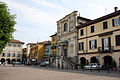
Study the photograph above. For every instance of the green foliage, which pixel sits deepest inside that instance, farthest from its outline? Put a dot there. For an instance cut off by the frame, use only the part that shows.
(98, 61)
(114, 64)
(87, 62)
(7, 24)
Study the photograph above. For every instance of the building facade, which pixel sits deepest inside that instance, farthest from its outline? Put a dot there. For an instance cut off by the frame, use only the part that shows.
(53, 44)
(99, 40)
(37, 52)
(12, 52)
(67, 39)
(47, 53)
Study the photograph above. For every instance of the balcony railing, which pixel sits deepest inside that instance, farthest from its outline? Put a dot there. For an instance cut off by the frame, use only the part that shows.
(107, 49)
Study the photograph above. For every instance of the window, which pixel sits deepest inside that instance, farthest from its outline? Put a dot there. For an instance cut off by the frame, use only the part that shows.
(3, 54)
(13, 55)
(92, 29)
(19, 45)
(93, 44)
(14, 45)
(9, 44)
(53, 45)
(53, 39)
(81, 46)
(13, 50)
(105, 25)
(8, 55)
(116, 21)
(81, 32)
(52, 52)
(18, 55)
(9, 49)
(65, 27)
(106, 43)
(117, 37)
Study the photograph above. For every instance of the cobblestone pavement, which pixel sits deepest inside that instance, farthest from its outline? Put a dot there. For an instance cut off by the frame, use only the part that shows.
(9, 72)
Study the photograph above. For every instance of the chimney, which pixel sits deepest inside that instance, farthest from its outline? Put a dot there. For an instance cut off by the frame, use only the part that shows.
(116, 9)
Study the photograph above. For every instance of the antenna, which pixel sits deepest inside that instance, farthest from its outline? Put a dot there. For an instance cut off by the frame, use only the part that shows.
(79, 13)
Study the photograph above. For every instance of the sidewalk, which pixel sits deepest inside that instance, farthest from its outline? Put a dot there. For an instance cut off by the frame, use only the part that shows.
(91, 72)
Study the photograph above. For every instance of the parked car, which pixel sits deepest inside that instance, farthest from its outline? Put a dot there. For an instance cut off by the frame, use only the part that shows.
(44, 64)
(93, 66)
(0, 63)
(16, 63)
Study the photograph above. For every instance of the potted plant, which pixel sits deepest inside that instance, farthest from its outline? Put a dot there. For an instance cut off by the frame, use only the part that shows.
(114, 65)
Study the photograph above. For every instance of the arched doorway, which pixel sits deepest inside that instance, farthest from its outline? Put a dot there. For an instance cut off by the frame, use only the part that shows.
(18, 60)
(108, 60)
(82, 61)
(2, 60)
(8, 61)
(13, 60)
(93, 59)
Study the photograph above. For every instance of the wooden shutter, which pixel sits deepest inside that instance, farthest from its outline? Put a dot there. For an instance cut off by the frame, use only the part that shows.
(113, 24)
(109, 41)
(89, 44)
(103, 44)
(82, 46)
(117, 40)
(95, 44)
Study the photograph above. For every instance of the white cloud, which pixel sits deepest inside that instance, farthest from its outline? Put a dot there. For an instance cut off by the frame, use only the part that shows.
(31, 14)
(48, 4)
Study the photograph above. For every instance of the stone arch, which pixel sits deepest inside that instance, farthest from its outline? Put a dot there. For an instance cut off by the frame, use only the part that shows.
(82, 61)
(13, 60)
(93, 59)
(107, 60)
(2, 60)
(18, 60)
(8, 61)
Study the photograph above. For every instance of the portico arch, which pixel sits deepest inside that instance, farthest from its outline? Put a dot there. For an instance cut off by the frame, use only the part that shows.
(8, 61)
(108, 60)
(2, 60)
(93, 59)
(82, 61)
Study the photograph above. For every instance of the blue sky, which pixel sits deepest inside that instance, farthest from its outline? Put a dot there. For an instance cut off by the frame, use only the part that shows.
(36, 19)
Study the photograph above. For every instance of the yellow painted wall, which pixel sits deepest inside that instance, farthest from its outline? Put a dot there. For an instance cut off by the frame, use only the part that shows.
(98, 27)
(53, 42)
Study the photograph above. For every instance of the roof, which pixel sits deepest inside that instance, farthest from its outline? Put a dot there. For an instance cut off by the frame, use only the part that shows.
(53, 35)
(100, 19)
(31, 43)
(44, 42)
(16, 41)
(86, 19)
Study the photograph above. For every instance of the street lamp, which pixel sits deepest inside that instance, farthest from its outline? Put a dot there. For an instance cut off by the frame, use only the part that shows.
(99, 50)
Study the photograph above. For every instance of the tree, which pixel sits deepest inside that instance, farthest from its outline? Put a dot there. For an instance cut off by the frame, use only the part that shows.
(7, 24)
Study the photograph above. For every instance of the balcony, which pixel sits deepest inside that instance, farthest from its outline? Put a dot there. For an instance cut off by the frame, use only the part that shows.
(105, 49)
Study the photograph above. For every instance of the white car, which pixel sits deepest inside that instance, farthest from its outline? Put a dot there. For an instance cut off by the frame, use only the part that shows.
(93, 66)
(0, 63)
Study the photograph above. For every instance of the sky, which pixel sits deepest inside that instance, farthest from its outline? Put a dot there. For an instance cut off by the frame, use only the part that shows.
(36, 19)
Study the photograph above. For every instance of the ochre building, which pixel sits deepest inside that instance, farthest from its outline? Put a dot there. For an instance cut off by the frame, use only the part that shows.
(99, 40)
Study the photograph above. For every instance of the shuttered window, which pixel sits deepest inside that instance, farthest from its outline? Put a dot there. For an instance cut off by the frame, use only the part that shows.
(93, 44)
(116, 21)
(81, 46)
(106, 43)
(117, 37)
(92, 29)
(105, 25)
(81, 32)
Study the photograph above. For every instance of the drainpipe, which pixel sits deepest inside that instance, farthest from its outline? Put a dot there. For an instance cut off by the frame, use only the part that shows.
(86, 40)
